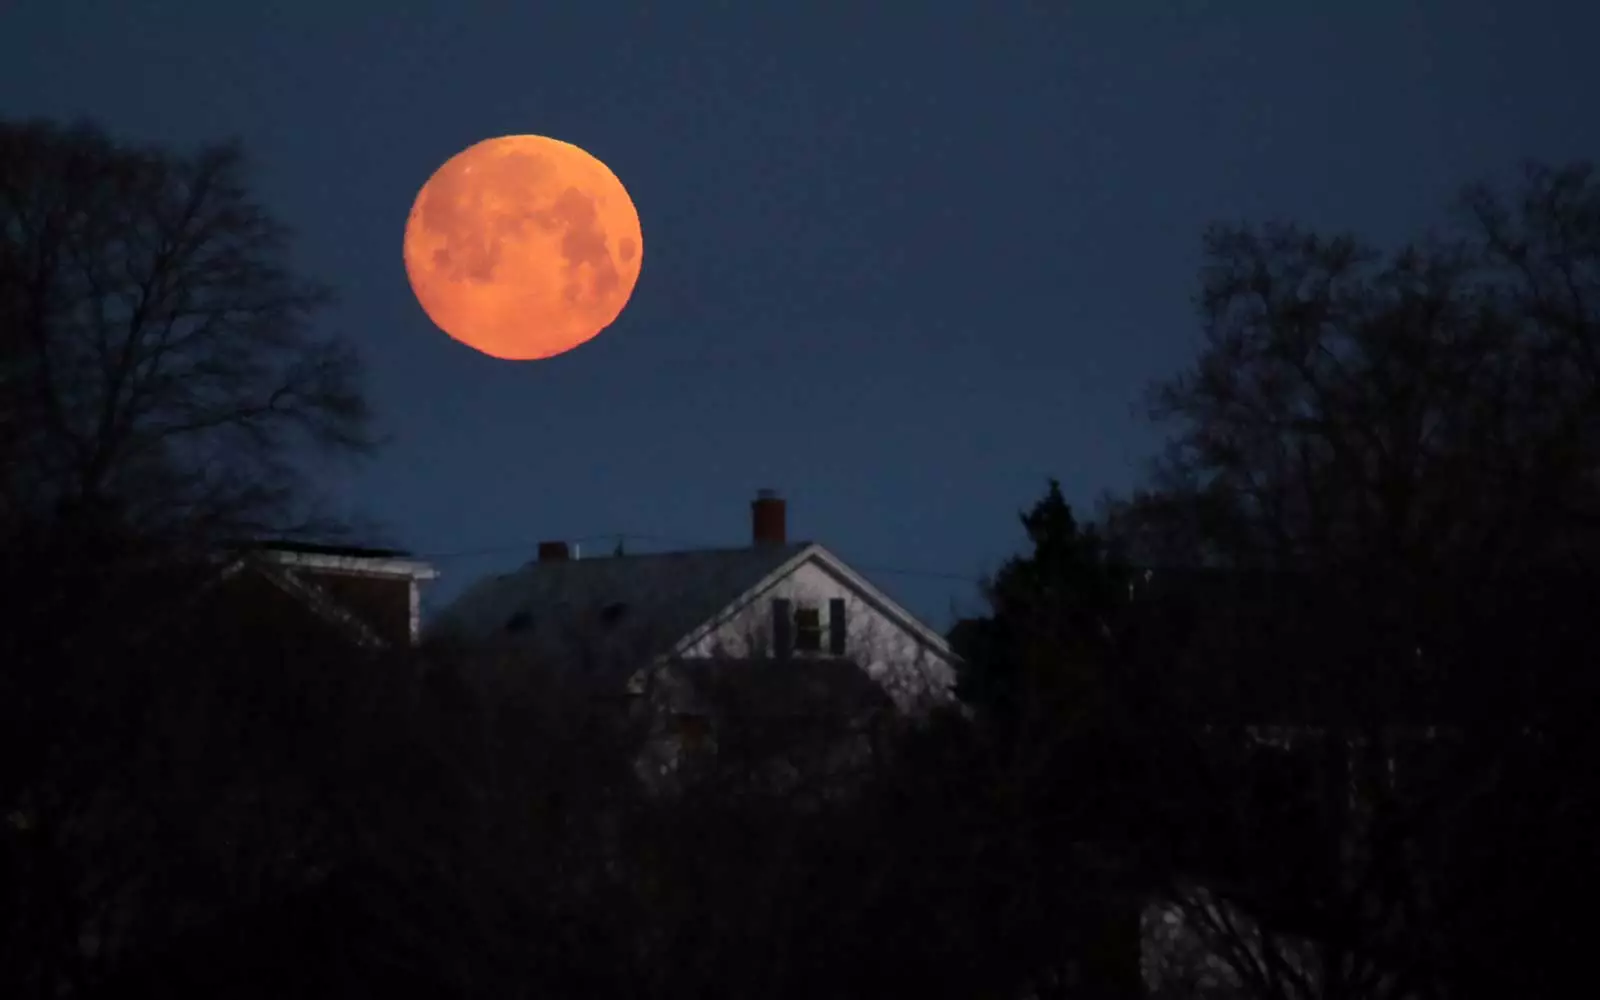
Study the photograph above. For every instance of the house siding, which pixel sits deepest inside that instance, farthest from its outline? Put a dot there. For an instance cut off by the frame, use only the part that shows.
(248, 611)
(384, 603)
(909, 671)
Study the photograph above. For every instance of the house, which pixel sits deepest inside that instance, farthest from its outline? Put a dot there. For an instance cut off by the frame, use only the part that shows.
(376, 592)
(368, 597)
(719, 633)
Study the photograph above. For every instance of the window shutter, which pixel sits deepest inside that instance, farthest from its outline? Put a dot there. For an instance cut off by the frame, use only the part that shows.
(782, 628)
(836, 626)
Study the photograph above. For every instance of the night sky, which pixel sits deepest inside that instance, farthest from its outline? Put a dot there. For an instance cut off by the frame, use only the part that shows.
(903, 261)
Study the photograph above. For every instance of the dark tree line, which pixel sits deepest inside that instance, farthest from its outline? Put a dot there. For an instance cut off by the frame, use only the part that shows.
(1305, 717)
(1381, 484)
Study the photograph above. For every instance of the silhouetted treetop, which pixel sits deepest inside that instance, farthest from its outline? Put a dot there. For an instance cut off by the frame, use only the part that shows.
(1423, 407)
(157, 356)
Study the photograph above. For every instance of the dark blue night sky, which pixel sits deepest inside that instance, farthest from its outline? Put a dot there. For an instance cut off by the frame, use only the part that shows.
(903, 261)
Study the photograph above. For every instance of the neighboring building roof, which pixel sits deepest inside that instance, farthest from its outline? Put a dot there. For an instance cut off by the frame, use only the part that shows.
(182, 588)
(189, 588)
(316, 600)
(616, 611)
(341, 558)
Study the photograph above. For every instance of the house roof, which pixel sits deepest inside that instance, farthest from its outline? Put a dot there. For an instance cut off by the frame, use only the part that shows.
(319, 548)
(318, 601)
(616, 611)
(626, 606)
(184, 588)
(340, 559)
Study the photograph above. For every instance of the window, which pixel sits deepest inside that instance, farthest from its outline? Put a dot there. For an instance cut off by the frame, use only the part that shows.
(837, 631)
(808, 630)
(781, 627)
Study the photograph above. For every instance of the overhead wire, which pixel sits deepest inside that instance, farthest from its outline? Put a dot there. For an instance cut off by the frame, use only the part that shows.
(489, 550)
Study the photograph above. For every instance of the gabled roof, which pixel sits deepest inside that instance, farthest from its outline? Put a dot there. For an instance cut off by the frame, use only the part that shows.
(316, 600)
(832, 564)
(197, 583)
(626, 607)
(340, 558)
(617, 611)
(317, 548)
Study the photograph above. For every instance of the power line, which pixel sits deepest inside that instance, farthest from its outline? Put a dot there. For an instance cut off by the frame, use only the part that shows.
(531, 543)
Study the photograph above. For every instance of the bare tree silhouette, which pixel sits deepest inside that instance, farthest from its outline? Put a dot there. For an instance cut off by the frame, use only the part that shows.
(157, 354)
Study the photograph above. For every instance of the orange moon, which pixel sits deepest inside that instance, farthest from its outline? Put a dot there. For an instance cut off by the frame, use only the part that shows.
(523, 247)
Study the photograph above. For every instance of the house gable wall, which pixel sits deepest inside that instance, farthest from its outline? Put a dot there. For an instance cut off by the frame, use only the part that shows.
(909, 671)
(383, 603)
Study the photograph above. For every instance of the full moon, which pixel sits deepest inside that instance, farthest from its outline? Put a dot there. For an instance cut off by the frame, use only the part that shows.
(523, 247)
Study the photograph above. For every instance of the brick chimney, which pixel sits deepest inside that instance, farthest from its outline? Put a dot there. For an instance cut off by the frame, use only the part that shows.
(553, 552)
(767, 519)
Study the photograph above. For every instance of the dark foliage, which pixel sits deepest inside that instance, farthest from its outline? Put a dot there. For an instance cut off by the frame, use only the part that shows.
(1378, 496)
(1305, 718)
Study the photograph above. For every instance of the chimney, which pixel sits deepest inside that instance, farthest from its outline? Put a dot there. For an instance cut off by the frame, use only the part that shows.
(767, 519)
(553, 552)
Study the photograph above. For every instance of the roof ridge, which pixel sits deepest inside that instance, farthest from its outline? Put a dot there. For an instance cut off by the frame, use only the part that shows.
(669, 593)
